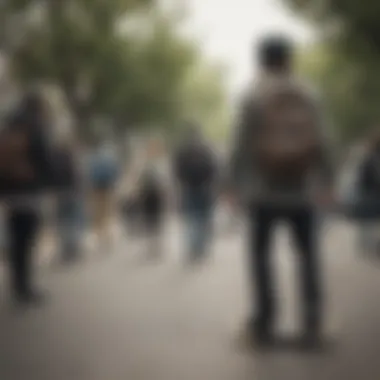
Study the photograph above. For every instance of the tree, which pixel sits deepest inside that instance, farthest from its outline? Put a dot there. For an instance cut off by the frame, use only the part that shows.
(204, 99)
(346, 19)
(350, 51)
(79, 45)
(124, 62)
(70, 46)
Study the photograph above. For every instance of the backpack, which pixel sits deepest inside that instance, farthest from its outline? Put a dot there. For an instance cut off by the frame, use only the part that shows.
(288, 142)
(18, 171)
(15, 164)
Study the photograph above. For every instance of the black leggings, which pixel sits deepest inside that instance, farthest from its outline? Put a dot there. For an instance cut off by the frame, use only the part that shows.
(22, 229)
(302, 224)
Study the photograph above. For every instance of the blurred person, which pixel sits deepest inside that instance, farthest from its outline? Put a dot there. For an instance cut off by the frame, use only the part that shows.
(131, 213)
(70, 202)
(152, 203)
(281, 168)
(366, 197)
(23, 189)
(153, 190)
(104, 175)
(195, 170)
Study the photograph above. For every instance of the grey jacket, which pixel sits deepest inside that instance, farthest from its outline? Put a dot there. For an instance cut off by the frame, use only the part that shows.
(245, 176)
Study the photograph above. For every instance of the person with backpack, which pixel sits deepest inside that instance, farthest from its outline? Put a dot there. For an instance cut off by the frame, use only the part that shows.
(25, 142)
(281, 169)
(195, 170)
(104, 174)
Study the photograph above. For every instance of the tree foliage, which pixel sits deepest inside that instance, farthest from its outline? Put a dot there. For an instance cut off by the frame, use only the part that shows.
(204, 99)
(121, 60)
(345, 60)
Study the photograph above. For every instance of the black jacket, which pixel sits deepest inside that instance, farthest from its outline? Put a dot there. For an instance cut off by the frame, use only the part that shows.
(39, 155)
(195, 166)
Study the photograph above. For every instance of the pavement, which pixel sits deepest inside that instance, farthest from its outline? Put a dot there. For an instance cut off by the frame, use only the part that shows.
(120, 315)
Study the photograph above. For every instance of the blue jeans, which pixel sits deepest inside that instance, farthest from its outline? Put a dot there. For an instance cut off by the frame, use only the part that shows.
(197, 210)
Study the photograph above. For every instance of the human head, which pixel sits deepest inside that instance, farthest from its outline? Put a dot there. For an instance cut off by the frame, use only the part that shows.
(276, 54)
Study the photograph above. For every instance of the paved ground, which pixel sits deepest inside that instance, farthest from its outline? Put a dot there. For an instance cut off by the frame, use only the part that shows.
(118, 316)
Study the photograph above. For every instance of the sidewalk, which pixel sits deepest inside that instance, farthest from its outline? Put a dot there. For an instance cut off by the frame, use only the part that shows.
(127, 319)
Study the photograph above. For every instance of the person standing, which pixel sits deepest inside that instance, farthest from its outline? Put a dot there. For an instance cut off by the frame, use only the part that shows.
(195, 170)
(281, 168)
(70, 202)
(151, 194)
(152, 198)
(366, 202)
(104, 174)
(24, 193)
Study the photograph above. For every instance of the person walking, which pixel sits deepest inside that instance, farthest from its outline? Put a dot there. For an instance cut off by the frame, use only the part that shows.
(195, 170)
(365, 206)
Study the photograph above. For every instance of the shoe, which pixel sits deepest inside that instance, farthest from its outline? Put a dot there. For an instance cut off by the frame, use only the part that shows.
(262, 335)
(256, 335)
(31, 298)
(312, 336)
(311, 340)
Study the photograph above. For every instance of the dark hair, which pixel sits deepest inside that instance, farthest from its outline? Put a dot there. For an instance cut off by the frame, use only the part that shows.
(276, 52)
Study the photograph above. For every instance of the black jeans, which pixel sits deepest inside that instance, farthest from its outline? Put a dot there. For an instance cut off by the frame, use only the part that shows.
(302, 223)
(22, 228)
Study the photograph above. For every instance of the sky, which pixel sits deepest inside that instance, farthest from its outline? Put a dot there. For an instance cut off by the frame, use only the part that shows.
(227, 30)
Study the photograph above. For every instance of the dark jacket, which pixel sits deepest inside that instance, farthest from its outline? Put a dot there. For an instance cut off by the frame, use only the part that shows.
(39, 156)
(151, 195)
(195, 167)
